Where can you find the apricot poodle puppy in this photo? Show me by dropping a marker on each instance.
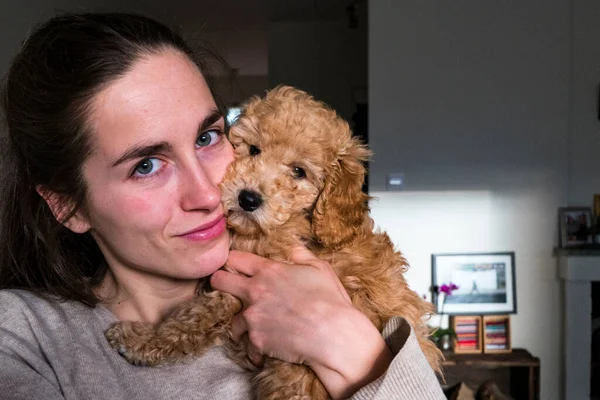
(297, 179)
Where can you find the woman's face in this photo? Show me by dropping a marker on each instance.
(159, 153)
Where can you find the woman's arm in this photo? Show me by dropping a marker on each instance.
(304, 315)
(356, 357)
(409, 376)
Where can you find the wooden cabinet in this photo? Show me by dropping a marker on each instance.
(496, 334)
(516, 373)
(468, 334)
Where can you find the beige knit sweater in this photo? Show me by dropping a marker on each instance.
(57, 350)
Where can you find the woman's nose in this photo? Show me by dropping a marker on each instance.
(199, 192)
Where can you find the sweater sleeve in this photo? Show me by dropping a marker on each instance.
(409, 376)
(25, 374)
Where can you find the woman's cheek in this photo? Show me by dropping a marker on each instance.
(149, 205)
(140, 205)
(150, 198)
(224, 159)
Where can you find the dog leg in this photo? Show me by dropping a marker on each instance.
(283, 381)
(190, 330)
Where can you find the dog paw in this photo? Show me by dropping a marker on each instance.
(129, 340)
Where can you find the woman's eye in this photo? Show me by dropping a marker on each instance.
(147, 166)
(254, 151)
(298, 173)
(209, 137)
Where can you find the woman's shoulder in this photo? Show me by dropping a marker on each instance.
(20, 300)
(35, 326)
(24, 310)
(19, 296)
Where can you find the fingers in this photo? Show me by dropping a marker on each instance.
(231, 283)
(249, 264)
(238, 332)
(255, 355)
(238, 328)
(245, 263)
(302, 255)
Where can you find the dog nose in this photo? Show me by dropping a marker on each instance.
(249, 200)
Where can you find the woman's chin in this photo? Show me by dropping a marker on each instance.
(211, 262)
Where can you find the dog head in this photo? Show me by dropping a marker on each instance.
(296, 159)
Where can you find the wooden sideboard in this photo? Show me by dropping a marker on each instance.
(516, 374)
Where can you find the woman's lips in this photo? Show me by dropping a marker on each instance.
(207, 231)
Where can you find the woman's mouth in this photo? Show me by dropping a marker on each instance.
(207, 231)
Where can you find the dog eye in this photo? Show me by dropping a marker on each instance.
(298, 173)
(254, 151)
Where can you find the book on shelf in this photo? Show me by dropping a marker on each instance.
(496, 334)
(468, 334)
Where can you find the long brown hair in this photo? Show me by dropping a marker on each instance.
(45, 97)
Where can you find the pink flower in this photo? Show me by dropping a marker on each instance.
(448, 289)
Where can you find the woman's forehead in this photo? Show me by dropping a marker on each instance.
(154, 79)
(161, 94)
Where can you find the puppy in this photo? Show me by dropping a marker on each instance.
(297, 179)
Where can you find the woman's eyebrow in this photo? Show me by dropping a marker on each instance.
(210, 119)
(142, 151)
(147, 150)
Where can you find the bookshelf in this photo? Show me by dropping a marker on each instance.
(468, 334)
(496, 334)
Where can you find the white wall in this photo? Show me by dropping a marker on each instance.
(470, 100)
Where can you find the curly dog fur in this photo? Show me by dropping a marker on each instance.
(299, 158)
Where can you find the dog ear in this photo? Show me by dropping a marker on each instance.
(342, 205)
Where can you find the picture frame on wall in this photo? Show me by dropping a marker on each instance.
(575, 226)
(486, 283)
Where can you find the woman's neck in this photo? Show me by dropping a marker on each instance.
(135, 298)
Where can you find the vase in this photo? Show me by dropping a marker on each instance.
(445, 343)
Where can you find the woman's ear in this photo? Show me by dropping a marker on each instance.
(59, 206)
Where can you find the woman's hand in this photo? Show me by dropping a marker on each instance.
(302, 314)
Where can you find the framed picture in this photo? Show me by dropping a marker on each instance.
(481, 283)
(597, 205)
(575, 225)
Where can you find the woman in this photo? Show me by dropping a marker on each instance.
(114, 151)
